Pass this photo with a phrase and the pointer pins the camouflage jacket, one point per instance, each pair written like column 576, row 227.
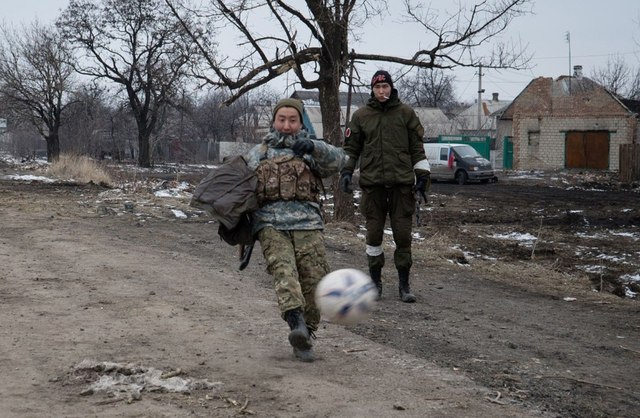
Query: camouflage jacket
column 326, row 160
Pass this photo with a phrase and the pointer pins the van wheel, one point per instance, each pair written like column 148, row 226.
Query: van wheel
column 461, row 177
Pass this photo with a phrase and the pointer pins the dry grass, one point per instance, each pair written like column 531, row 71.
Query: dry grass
column 81, row 169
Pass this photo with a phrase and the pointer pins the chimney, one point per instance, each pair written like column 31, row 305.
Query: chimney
column 577, row 71
column 495, row 97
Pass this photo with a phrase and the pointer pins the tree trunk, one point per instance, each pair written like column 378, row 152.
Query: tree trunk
column 329, row 95
column 144, row 154
column 53, row 146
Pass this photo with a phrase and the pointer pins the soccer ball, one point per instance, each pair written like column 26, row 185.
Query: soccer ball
column 346, row 296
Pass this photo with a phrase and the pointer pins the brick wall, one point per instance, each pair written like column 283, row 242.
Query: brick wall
column 545, row 112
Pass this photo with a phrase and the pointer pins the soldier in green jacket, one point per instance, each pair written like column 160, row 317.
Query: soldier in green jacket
column 386, row 135
column 289, row 224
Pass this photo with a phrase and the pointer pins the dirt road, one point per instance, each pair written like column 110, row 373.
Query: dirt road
column 84, row 279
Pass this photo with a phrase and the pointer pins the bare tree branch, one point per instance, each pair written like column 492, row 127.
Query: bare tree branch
column 314, row 43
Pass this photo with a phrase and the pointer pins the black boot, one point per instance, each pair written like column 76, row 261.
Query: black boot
column 299, row 337
column 405, row 292
column 376, row 276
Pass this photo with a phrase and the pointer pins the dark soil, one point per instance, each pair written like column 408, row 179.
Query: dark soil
column 498, row 312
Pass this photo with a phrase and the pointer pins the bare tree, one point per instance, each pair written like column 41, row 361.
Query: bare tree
column 87, row 128
column 136, row 45
column 614, row 76
column 35, row 79
column 633, row 90
column 429, row 88
column 618, row 78
column 313, row 42
column 237, row 122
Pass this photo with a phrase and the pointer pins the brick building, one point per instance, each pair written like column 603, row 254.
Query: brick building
column 570, row 122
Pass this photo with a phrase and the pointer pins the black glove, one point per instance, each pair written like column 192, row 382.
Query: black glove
column 345, row 182
column 421, row 185
column 302, row 147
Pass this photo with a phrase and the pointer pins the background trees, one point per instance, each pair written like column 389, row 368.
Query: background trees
column 36, row 79
column 136, row 45
column 152, row 71
column 430, row 88
column 619, row 78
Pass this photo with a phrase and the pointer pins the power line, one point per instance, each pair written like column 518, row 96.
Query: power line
column 590, row 56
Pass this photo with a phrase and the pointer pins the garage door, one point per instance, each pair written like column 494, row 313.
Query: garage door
column 588, row 149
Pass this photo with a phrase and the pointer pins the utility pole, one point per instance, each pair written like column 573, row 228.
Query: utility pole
column 480, row 91
column 348, row 115
column 567, row 36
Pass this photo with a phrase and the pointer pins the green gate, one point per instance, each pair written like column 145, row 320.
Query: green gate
column 507, row 152
column 482, row 144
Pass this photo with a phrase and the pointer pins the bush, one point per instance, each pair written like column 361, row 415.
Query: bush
column 81, row 169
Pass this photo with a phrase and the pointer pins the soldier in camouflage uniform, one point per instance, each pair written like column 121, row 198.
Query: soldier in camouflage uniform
column 386, row 135
column 290, row 167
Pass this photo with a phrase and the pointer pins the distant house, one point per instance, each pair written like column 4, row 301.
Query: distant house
column 435, row 122
column 570, row 122
column 481, row 120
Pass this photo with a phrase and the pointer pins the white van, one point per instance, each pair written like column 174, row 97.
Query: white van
column 459, row 162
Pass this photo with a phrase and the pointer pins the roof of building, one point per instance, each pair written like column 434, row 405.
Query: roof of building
column 551, row 95
column 488, row 109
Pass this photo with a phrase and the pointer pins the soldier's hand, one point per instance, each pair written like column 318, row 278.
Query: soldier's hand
column 302, row 147
column 421, row 185
column 345, row 182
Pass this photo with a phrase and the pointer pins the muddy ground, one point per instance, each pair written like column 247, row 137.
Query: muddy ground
column 524, row 308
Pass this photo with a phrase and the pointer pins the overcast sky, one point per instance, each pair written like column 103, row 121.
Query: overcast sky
column 599, row 30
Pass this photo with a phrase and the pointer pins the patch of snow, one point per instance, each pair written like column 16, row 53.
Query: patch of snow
column 631, row 278
column 30, row 178
column 129, row 380
column 514, row 236
column 613, row 258
column 179, row 214
column 589, row 236
column 417, row 236
column 631, row 235
column 592, row 269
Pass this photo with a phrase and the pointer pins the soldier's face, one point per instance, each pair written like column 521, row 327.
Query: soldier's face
column 382, row 91
column 287, row 121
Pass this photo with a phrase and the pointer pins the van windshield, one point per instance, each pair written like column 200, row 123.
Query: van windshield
column 467, row 151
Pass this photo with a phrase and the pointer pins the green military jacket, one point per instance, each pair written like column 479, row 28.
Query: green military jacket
column 387, row 138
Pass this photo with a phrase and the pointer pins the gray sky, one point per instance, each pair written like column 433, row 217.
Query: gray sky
column 599, row 30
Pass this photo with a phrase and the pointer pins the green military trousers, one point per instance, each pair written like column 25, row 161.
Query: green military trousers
column 297, row 261
column 399, row 203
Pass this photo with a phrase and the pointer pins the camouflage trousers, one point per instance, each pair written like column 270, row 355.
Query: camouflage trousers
column 297, row 261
